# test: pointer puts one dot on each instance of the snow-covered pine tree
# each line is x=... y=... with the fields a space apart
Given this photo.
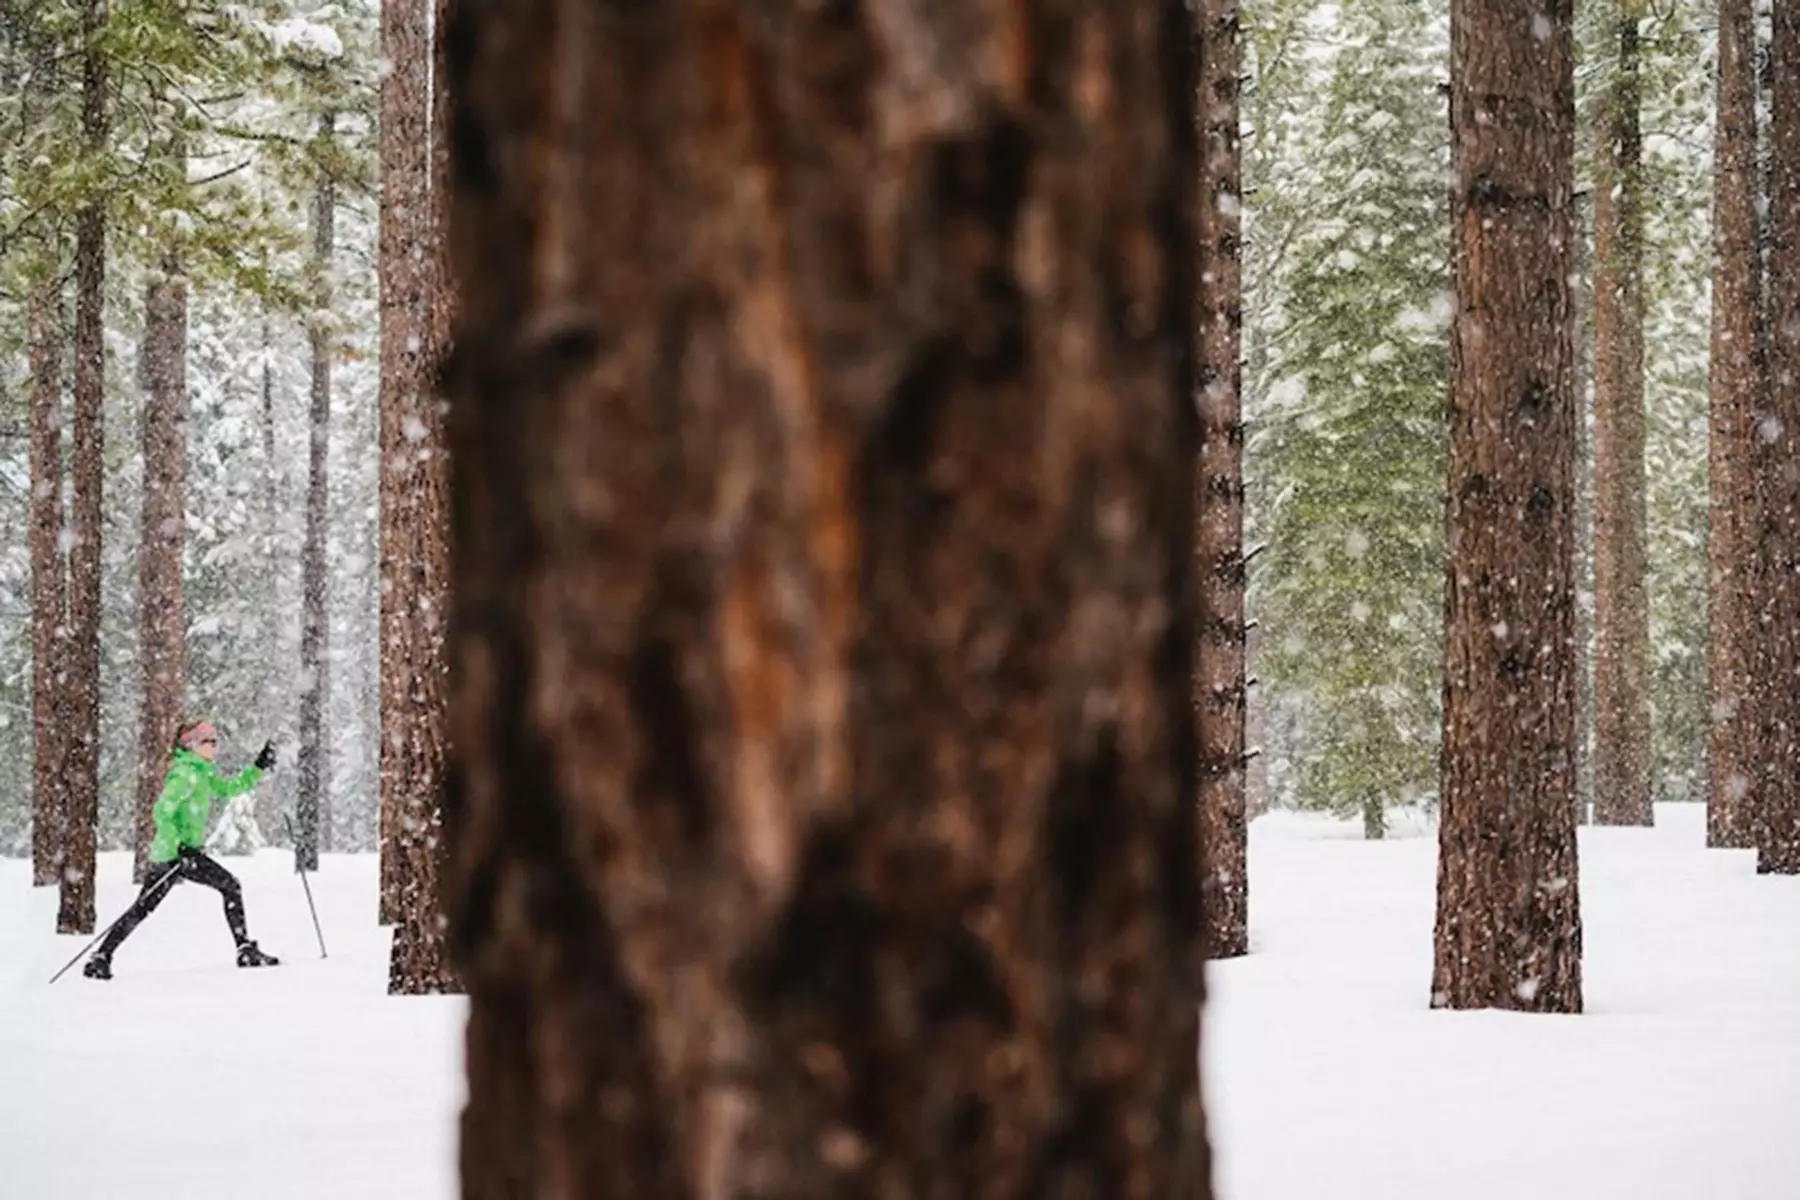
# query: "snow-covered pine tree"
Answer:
x=1350 y=437
x=246 y=93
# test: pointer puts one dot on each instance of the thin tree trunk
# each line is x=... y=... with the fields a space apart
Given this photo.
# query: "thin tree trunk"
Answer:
x=1777 y=822
x=1508 y=920
x=823 y=804
x=408 y=419
x=420 y=961
x=1735 y=378
x=1219 y=691
x=1581 y=298
x=82 y=774
x=49 y=579
x=161 y=640
x=1621 y=608
x=313 y=818
x=274 y=680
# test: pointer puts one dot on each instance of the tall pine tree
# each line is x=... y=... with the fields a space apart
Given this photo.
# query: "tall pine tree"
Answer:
x=1508 y=929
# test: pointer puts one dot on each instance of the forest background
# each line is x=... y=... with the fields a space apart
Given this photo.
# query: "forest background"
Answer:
x=1346 y=146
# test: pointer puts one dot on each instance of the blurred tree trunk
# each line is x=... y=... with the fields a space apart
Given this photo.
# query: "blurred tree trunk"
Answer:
x=82 y=773
x=420 y=961
x=1508 y=919
x=1777 y=820
x=312 y=812
x=823 y=796
x=1219 y=679
x=409 y=758
x=1621 y=605
x=1735 y=377
x=161 y=634
x=49 y=577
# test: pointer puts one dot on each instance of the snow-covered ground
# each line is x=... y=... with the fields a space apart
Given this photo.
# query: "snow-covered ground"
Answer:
x=187 y=1079
x=1326 y=1074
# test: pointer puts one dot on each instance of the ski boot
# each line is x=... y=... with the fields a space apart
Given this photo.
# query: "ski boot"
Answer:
x=98 y=967
x=251 y=955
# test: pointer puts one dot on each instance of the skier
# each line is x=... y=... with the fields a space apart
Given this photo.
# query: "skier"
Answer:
x=178 y=851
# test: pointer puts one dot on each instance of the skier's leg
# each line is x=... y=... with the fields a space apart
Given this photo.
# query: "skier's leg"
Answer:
x=157 y=885
x=205 y=870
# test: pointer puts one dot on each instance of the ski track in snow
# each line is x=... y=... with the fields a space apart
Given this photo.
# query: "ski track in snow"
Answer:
x=1326 y=1074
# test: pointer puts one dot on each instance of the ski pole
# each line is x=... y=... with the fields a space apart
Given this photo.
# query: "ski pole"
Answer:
x=309 y=899
x=165 y=881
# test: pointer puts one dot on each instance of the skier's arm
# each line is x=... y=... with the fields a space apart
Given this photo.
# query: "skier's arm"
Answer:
x=237 y=785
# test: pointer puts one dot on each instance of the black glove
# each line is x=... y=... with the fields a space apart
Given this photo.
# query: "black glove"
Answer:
x=266 y=758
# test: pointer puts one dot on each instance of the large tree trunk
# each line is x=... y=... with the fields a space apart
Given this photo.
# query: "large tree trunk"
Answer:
x=1508 y=920
x=82 y=774
x=410 y=760
x=161 y=640
x=49 y=579
x=1621 y=607
x=420 y=960
x=1219 y=691
x=1777 y=821
x=1734 y=380
x=823 y=805
x=314 y=819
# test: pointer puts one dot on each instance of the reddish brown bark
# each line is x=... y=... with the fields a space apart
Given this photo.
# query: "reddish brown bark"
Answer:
x=1734 y=380
x=81 y=774
x=1777 y=812
x=49 y=580
x=1219 y=681
x=1508 y=919
x=823 y=805
x=1621 y=601
x=420 y=960
x=311 y=810
x=409 y=759
x=161 y=635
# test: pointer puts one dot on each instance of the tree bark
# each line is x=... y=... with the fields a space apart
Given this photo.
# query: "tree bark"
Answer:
x=420 y=961
x=1508 y=920
x=161 y=634
x=1735 y=376
x=82 y=773
x=1621 y=606
x=49 y=579
x=823 y=800
x=276 y=680
x=311 y=811
x=1581 y=298
x=1777 y=819
x=1219 y=679
x=409 y=759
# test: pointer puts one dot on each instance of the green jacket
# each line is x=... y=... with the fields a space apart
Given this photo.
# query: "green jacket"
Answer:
x=185 y=806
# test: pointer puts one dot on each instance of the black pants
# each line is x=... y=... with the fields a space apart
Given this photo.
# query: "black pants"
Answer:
x=192 y=866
